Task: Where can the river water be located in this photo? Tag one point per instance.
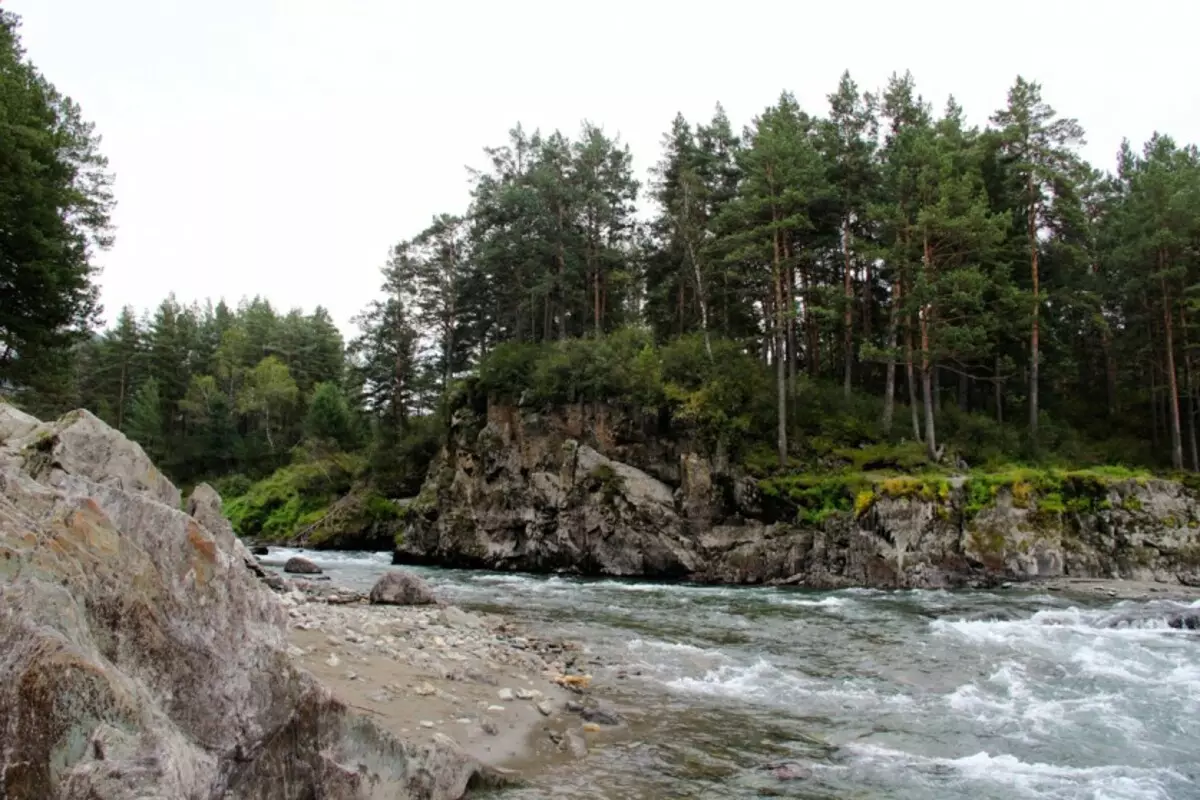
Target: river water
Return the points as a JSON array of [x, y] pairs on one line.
[[911, 695]]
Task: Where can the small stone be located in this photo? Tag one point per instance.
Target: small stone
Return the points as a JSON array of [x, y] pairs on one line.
[[495, 709], [351, 675], [505, 694], [426, 723], [333, 660], [425, 689], [489, 727], [575, 743], [601, 715], [591, 727], [574, 706], [528, 694], [545, 708]]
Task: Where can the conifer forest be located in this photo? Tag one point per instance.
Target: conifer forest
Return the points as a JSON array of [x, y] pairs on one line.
[[870, 272]]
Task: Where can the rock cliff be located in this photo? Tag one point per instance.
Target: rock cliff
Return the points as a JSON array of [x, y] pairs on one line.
[[589, 491], [139, 657]]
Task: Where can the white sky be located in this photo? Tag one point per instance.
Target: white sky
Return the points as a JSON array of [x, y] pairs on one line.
[[280, 147]]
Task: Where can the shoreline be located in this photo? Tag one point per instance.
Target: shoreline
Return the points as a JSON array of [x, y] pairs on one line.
[[1112, 588], [423, 672]]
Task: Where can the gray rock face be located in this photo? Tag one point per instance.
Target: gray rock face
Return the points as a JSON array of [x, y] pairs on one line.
[[299, 565], [139, 657], [538, 493], [400, 588]]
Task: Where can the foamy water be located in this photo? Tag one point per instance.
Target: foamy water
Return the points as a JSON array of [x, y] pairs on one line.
[[915, 695]]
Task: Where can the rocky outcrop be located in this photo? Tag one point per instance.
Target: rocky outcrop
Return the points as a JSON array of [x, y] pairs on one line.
[[541, 493], [139, 657], [399, 588]]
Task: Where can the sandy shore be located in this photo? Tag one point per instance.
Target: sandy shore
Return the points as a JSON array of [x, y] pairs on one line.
[[1115, 588], [420, 671]]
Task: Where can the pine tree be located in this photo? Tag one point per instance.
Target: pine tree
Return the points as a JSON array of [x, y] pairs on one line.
[[895, 214], [1041, 162], [329, 416], [783, 173], [55, 202], [959, 237], [849, 145], [146, 425]]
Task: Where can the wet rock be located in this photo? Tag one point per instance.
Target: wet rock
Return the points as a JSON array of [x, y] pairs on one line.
[[299, 565], [1187, 621], [401, 588], [575, 744], [574, 706], [142, 658], [457, 618], [260, 550], [600, 715], [789, 771]]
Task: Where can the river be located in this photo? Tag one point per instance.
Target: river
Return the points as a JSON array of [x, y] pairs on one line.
[[907, 695]]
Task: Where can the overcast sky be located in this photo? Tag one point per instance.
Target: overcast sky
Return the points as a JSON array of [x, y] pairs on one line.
[[280, 147]]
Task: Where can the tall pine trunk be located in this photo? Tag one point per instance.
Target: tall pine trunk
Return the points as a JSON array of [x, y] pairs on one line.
[[912, 382], [1172, 381], [790, 297], [848, 319], [999, 390], [1190, 388], [780, 371], [927, 367], [1034, 355], [889, 389], [701, 296]]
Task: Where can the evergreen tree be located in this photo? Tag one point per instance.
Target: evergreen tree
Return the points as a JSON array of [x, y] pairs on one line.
[[1042, 165], [850, 135], [329, 416], [146, 426], [55, 202]]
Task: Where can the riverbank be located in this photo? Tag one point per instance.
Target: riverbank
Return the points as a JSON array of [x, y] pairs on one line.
[[730, 692], [511, 700], [1115, 588]]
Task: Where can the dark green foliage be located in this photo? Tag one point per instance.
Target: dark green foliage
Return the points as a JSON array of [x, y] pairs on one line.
[[399, 457], [55, 201], [329, 416], [146, 420]]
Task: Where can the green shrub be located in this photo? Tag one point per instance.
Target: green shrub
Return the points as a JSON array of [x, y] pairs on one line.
[[230, 486], [277, 505]]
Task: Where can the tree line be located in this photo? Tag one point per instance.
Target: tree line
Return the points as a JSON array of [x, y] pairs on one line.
[[872, 245], [875, 243]]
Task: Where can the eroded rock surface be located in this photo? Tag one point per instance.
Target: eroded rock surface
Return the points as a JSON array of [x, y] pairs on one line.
[[586, 490], [140, 657]]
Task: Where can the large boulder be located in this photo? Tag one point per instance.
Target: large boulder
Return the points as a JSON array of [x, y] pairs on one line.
[[299, 565], [139, 657], [400, 588]]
